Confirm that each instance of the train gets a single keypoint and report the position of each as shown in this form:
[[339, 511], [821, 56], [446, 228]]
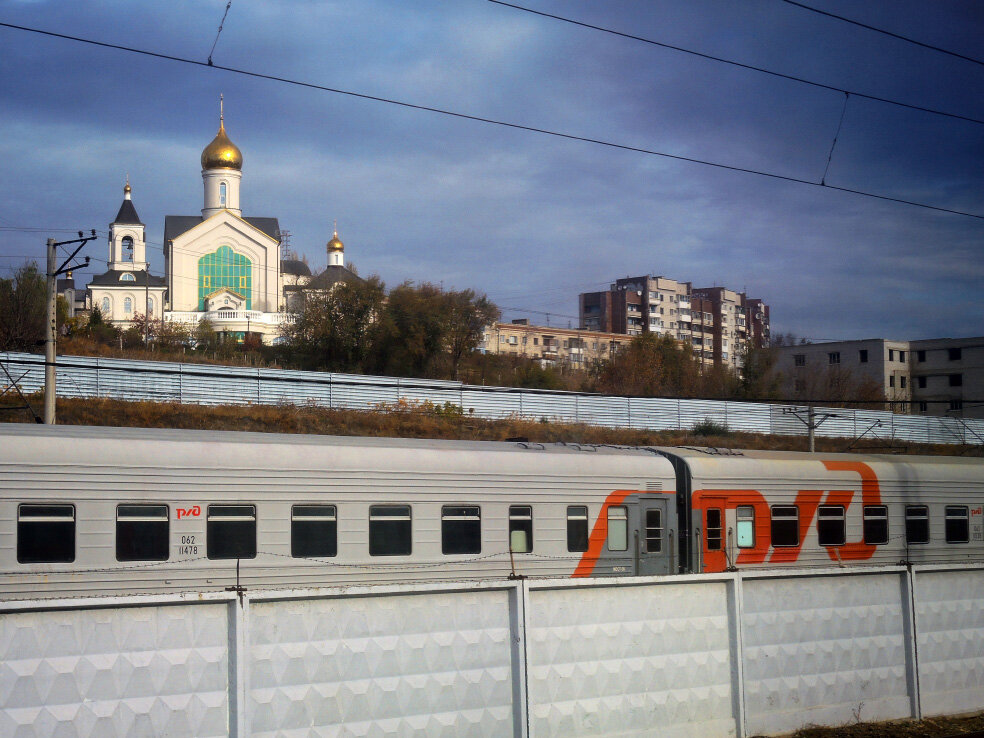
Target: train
[[101, 511]]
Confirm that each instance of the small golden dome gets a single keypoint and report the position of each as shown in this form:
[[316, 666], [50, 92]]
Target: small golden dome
[[335, 244], [126, 188]]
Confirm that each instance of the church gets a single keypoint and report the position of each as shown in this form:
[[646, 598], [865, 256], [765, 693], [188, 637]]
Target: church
[[220, 265]]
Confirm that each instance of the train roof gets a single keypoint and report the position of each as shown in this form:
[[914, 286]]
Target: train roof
[[124, 434], [697, 454]]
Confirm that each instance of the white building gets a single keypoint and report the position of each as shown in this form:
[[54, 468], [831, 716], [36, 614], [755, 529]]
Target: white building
[[127, 288], [222, 265]]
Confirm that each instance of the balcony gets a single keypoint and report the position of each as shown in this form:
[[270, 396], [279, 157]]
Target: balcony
[[223, 318]]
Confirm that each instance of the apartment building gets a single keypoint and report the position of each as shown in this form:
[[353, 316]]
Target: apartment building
[[716, 322], [551, 345], [940, 376]]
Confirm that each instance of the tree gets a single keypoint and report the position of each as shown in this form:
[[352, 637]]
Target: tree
[[23, 309], [650, 365], [336, 329], [466, 317], [412, 331]]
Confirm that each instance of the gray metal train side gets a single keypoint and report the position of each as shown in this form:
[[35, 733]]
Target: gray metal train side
[[85, 478]]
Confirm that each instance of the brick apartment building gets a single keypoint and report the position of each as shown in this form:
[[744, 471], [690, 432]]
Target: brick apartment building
[[716, 322], [577, 348]]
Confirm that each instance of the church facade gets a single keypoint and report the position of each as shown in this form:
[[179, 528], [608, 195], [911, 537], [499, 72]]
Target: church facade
[[219, 265]]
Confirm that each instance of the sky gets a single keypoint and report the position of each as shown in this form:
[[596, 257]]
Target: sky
[[528, 218]]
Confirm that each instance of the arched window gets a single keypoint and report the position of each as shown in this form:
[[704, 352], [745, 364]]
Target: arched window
[[222, 194], [128, 305], [106, 306], [127, 277], [127, 247], [150, 306]]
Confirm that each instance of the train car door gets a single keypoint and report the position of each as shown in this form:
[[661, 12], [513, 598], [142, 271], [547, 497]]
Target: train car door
[[655, 544]]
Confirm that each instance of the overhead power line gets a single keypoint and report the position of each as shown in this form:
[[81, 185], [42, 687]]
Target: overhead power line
[[882, 31], [750, 67], [492, 121]]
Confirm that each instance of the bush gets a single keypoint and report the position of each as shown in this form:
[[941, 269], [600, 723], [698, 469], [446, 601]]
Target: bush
[[708, 427]]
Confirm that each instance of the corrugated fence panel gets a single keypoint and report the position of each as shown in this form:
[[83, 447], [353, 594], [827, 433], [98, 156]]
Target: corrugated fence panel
[[214, 385], [26, 371], [427, 664], [630, 661], [611, 412], [950, 629], [205, 384], [360, 392], [440, 393], [560, 407], [749, 417], [123, 671], [696, 412], [282, 386], [838, 422], [647, 413], [491, 402], [867, 422], [824, 650]]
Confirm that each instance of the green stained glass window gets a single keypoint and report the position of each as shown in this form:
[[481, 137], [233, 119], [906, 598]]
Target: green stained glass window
[[225, 269]]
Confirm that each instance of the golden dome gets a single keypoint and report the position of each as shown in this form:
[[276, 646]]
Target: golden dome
[[126, 187], [335, 244], [222, 153]]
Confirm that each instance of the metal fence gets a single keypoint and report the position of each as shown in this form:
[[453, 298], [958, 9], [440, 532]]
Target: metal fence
[[207, 384], [736, 654]]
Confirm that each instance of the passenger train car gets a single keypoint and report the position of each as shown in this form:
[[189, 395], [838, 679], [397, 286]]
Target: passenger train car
[[91, 511]]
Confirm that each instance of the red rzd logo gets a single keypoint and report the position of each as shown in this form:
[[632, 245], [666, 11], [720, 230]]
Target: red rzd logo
[[189, 512]]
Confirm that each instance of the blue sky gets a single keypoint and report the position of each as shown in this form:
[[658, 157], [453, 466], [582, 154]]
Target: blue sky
[[529, 219]]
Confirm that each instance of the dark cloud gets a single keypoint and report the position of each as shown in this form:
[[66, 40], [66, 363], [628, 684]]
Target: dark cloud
[[528, 218]]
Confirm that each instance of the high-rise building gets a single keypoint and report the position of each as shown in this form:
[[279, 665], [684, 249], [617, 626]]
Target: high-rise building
[[716, 322]]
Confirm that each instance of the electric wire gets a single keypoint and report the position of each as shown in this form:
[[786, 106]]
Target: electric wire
[[219, 33], [495, 122], [880, 30], [750, 67]]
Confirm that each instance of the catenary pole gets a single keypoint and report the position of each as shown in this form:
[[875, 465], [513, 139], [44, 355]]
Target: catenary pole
[[50, 337]]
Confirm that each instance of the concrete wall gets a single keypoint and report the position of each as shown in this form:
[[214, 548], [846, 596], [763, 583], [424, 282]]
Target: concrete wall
[[696, 656]]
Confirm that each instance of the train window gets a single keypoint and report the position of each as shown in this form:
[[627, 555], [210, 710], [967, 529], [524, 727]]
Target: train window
[[461, 529], [785, 525], [230, 532], [916, 524], [45, 534], [520, 528], [654, 531], [618, 528], [713, 528], [875, 524], [577, 528], [389, 530], [957, 524], [313, 531], [142, 532], [830, 525], [745, 526]]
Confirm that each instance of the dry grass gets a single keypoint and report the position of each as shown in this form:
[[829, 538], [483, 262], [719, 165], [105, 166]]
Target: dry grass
[[418, 421], [940, 727]]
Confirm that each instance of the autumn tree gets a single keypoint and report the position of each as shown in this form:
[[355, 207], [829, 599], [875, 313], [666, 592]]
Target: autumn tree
[[466, 317], [412, 331], [336, 329], [23, 309], [651, 365]]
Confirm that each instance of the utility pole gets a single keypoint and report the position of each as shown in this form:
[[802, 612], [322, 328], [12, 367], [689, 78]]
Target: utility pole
[[51, 325], [810, 421]]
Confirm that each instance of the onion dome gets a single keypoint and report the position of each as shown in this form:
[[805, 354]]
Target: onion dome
[[335, 243], [222, 153]]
